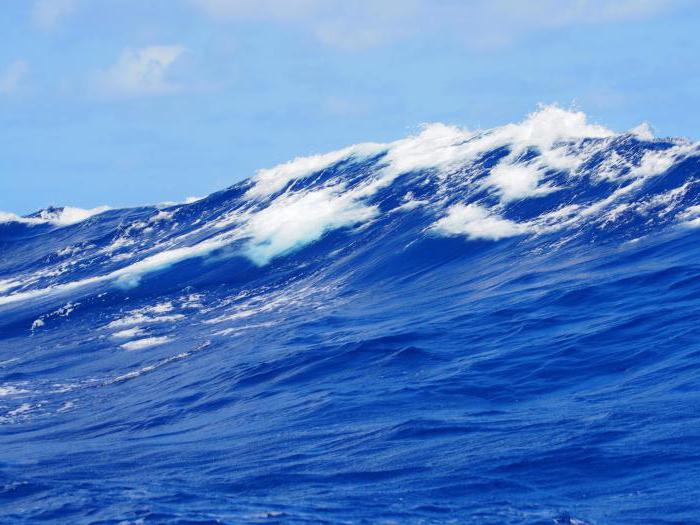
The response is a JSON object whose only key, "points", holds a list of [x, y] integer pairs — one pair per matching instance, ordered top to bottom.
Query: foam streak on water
{"points": [[491, 326]]}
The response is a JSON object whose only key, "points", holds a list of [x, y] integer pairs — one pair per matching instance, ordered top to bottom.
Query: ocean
{"points": [[491, 327]]}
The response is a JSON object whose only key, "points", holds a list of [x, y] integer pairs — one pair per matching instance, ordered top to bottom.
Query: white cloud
{"points": [[275, 9], [47, 13], [499, 22], [481, 23], [349, 25], [362, 25], [141, 71], [12, 76], [344, 107]]}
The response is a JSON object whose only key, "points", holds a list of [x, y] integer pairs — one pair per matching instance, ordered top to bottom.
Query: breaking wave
{"points": [[494, 326]]}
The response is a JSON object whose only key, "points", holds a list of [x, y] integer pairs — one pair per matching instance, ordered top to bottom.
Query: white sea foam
{"points": [[643, 131], [546, 142], [436, 146], [446, 147], [655, 162], [271, 180], [517, 181], [169, 204], [161, 216], [60, 217], [690, 217], [299, 219], [477, 222], [130, 275], [9, 284], [59, 288], [192, 301], [160, 308], [140, 318], [239, 329], [128, 333], [147, 342], [6, 362], [150, 368], [10, 390], [68, 405], [24, 408]]}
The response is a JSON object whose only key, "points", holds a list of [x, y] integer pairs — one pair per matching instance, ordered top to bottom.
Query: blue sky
{"points": [[126, 102]]}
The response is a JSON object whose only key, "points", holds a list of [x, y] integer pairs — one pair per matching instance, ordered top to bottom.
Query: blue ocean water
{"points": [[492, 327]]}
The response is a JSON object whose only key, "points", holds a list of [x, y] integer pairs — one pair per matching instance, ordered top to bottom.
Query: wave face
{"points": [[494, 326]]}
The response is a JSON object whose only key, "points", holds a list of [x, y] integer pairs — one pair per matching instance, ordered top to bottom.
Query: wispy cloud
{"points": [[274, 9], [47, 13], [501, 22], [480, 23], [350, 25], [140, 72], [11, 78], [343, 107]]}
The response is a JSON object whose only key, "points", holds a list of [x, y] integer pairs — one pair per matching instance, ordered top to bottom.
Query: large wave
{"points": [[493, 325]]}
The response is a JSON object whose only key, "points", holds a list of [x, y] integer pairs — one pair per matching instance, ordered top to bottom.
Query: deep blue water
{"points": [[372, 370]]}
